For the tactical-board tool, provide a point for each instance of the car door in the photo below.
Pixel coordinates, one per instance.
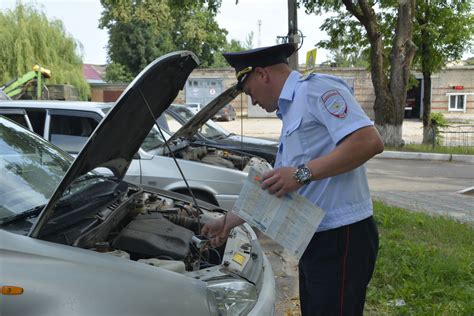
(18, 115)
(30, 117)
(70, 129)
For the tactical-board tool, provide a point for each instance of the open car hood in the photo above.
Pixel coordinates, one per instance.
(119, 135)
(192, 126)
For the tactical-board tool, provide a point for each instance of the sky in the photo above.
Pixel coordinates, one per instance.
(80, 18)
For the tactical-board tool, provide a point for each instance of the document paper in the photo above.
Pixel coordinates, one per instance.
(291, 221)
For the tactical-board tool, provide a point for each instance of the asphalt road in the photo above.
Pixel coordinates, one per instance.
(426, 186)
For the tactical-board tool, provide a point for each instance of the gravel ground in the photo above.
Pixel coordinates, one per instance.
(270, 127)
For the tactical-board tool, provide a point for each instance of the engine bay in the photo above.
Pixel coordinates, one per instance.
(219, 157)
(147, 227)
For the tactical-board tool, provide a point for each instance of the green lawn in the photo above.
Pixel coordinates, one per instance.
(437, 149)
(425, 263)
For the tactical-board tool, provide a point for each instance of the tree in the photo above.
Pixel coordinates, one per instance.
(232, 46)
(141, 31)
(29, 38)
(362, 21)
(348, 59)
(443, 31)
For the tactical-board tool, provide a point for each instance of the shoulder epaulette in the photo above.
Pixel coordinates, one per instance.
(306, 76)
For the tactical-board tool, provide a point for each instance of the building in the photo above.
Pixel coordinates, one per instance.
(101, 91)
(452, 90)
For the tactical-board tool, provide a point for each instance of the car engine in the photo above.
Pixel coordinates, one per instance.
(219, 157)
(154, 229)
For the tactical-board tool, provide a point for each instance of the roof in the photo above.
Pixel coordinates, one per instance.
(93, 73)
(57, 105)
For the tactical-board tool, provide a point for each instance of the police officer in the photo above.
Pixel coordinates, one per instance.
(326, 138)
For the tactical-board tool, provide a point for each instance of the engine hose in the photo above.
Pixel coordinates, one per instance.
(183, 221)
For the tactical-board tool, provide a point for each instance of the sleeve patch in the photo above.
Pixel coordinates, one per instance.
(334, 103)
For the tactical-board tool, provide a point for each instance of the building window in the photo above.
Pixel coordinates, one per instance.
(457, 102)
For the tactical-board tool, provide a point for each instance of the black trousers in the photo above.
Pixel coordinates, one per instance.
(336, 268)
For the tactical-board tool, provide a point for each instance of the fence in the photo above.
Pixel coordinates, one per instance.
(456, 136)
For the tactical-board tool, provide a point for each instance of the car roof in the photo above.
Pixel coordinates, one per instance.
(58, 105)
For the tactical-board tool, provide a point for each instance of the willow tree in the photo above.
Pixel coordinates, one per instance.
(28, 37)
(363, 21)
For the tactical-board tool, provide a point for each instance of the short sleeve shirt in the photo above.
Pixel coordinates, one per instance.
(318, 111)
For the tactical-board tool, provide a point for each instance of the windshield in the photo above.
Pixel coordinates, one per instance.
(31, 169)
(209, 129)
(154, 139)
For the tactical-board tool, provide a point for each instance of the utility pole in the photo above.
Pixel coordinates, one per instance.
(259, 33)
(293, 37)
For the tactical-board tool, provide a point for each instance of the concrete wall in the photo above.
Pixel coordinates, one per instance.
(443, 84)
(363, 88)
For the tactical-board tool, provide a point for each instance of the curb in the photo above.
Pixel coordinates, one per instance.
(425, 156)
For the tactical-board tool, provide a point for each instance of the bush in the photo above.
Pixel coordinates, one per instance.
(438, 121)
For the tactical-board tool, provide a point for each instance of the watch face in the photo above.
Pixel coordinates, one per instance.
(303, 175)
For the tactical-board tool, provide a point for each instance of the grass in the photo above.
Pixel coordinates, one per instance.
(425, 263)
(463, 150)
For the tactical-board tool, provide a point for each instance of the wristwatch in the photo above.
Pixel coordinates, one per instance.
(303, 174)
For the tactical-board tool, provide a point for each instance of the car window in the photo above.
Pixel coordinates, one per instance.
(19, 118)
(37, 118)
(31, 169)
(212, 130)
(152, 140)
(163, 123)
(184, 112)
(71, 132)
(173, 124)
(209, 129)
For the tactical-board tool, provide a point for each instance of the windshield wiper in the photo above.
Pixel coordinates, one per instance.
(28, 213)
(86, 177)
(220, 136)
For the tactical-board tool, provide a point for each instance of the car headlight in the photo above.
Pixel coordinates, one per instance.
(233, 297)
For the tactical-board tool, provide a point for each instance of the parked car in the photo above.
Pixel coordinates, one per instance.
(195, 107)
(77, 242)
(215, 175)
(212, 134)
(227, 113)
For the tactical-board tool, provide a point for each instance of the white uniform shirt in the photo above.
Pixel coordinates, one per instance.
(318, 111)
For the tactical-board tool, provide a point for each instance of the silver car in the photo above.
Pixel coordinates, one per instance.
(214, 174)
(77, 242)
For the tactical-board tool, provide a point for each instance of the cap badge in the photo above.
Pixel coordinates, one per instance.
(244, 71)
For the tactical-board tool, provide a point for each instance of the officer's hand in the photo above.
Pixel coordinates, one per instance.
(216, 231)
(280, 181)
